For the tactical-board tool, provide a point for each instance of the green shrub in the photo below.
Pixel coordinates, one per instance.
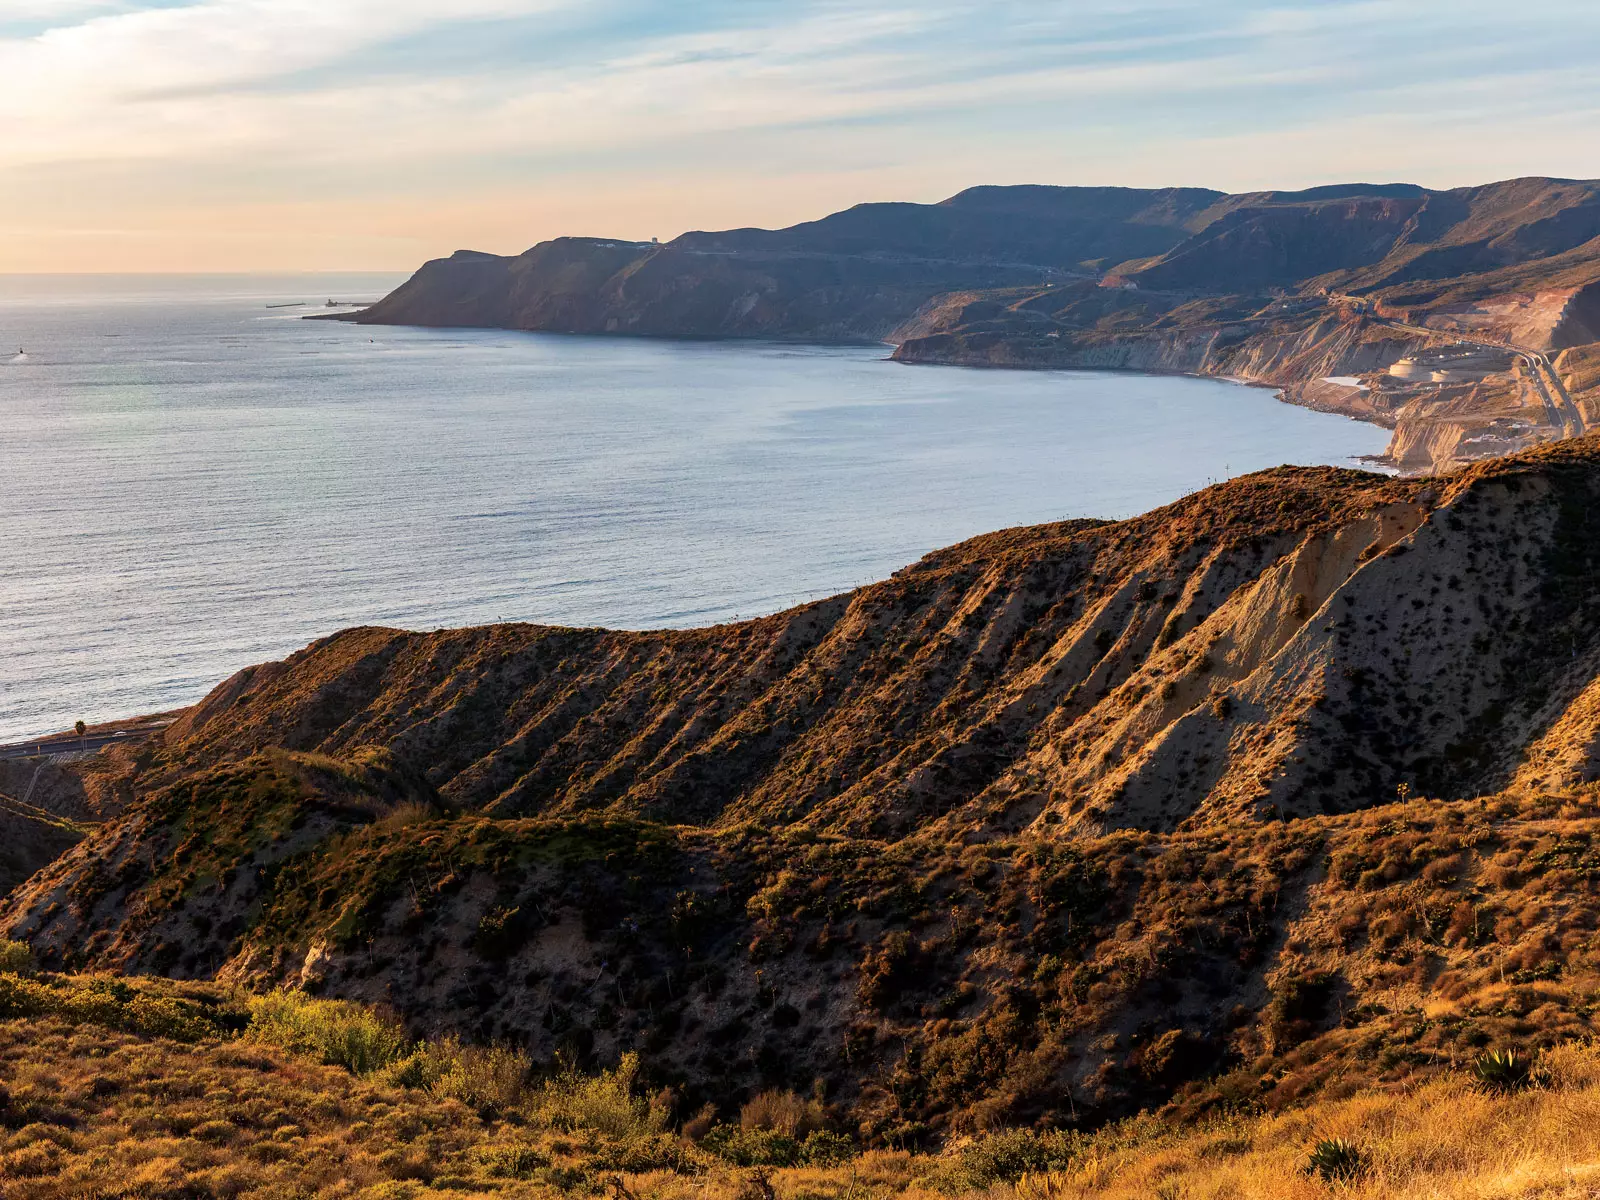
(490, 1079)
(603, 1103)
(111, 1004)
(753, 1147)
(335, 1032)
(653, 1152)
(779, 1129)
(15, 958)
(1503, 1071)
(1335, 1160)
(517, 1161)
(824, 1148)
(1007, 1155)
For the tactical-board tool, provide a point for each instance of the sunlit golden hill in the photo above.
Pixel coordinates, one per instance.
(1276, 793)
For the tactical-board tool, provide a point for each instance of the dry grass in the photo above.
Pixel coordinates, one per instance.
(1446, 1138)
(783, 1112)
(87, 1111)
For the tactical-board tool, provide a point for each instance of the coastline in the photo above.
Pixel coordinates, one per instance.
(1435, 426)
(1284, 389)
(1295, 360)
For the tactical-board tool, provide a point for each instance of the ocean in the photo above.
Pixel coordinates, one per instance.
(193, 481)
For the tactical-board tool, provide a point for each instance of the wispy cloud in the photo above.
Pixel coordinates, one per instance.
(116, 109)
(149, 53)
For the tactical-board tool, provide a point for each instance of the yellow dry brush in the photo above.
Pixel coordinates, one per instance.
(154, 1088)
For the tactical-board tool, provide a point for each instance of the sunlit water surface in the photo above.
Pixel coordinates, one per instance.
(192, 482)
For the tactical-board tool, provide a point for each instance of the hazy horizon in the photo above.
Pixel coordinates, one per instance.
(404, 271)
(284, 135)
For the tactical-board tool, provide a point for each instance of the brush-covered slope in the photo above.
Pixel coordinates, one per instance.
(1278, 642)
(1515, 262)
(1368, 239)
(1063, 820)
(98, 1105)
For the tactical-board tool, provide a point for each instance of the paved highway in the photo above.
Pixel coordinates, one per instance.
(71, 743)
(1562, 413)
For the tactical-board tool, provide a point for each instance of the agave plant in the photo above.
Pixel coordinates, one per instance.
(1335, 1160)
(1503, 1071)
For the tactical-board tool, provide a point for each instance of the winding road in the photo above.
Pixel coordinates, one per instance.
(1562, 413)
(71, 743)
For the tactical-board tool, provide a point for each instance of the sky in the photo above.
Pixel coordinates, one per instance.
(217, 135)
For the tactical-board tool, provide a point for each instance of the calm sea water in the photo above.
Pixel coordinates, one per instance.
(192, 482)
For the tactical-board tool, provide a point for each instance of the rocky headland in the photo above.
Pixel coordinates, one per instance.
(1461, 319)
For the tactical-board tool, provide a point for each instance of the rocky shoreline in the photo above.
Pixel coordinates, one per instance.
(1480, 403)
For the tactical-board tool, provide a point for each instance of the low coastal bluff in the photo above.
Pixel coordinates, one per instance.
(1057, 824)
(1318, 293)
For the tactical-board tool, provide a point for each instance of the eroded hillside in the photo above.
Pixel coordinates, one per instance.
(1240, 649)
(1287, 782)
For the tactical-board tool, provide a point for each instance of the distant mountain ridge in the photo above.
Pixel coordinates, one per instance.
(859, 273)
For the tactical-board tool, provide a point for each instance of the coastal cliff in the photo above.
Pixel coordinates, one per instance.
(587, 285)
